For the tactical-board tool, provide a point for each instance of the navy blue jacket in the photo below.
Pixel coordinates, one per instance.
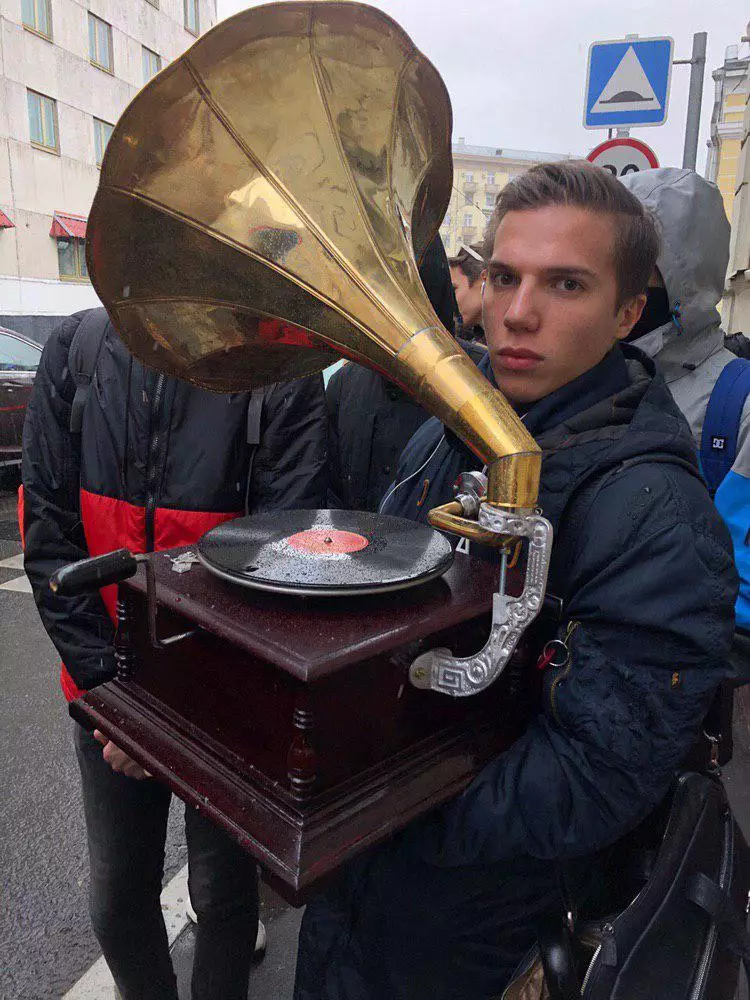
(648, 585)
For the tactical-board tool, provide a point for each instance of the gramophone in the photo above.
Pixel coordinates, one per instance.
(262, 207)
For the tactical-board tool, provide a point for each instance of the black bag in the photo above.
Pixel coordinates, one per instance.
(681, 936)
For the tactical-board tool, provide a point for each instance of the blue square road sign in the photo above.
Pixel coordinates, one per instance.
(627, 83)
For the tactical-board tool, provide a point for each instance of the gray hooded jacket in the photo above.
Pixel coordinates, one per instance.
(689, 350)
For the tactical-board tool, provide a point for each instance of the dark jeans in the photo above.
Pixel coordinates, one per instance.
(126, 821)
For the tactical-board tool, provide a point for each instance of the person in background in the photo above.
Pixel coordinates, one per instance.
(680, 328)
(467, 268)
(116, 455)
(370, 419)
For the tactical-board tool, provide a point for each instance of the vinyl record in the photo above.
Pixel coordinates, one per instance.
(331, 553)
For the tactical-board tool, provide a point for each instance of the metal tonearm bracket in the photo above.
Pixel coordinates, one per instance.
(438, 670)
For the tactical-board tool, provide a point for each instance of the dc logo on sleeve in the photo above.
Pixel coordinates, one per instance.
(718, 443)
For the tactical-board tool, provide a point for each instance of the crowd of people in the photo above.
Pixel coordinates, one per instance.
(592, 306)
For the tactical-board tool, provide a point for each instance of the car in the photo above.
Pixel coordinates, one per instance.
(19, 360)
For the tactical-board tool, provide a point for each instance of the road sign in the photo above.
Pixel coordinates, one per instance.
(623, 156)
(627, 83)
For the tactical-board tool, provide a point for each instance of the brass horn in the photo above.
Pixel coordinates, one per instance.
(262, 206)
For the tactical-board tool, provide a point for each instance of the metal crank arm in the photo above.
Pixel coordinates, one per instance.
(438, 670)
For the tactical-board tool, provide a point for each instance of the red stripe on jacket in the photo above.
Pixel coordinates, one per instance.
(110, 524)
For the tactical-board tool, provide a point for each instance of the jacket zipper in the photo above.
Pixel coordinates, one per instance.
(152, 468)
(713, 934)
(572, 626)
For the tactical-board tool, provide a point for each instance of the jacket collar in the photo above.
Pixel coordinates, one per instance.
(603, 381)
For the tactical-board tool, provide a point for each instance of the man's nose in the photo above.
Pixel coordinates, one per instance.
(522, 314)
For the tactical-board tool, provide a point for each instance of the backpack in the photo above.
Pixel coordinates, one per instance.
(83, 359)
(721, 425)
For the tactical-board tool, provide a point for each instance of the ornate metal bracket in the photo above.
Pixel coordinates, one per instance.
(438, 670)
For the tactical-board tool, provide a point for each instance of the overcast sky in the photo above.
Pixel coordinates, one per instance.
(516, 69)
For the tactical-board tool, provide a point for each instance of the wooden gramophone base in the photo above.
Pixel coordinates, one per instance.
(297, 844)
(291, 723)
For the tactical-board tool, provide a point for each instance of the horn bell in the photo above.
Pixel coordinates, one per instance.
(262, 207)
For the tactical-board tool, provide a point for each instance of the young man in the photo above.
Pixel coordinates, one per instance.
(643, 565)
(680, 328)
(467, 268)
(149, 463)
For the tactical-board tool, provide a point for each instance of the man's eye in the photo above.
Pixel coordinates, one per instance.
(568, 284)
(503, 279)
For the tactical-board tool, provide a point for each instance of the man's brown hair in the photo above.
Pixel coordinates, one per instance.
(580, 184)
(469, 260)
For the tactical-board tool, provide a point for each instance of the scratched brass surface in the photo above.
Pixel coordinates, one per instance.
(263, 203)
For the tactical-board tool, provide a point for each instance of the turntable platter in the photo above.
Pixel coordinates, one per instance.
(331, 553)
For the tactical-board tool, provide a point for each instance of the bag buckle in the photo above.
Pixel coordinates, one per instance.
(713, 753)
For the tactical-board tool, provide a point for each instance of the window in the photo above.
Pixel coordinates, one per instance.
(469, 177)
(18, 356)
(37, 16)
(446, 222)
(151, 63)
(100, 43)
(467, 220)
(42, 120)
(102, 133)
(490, 179)
(468, 198)
(191, 16)
(71, 256)
(489, 200)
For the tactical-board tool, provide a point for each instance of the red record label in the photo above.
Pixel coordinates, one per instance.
(327, 541)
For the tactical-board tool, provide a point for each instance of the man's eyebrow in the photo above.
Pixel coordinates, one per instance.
(564, 270)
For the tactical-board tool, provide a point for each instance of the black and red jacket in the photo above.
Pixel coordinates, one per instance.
(157, 463)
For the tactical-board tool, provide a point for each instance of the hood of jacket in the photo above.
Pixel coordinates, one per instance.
(693, 264)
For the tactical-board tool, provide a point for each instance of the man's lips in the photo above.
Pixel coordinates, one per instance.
(518, 359)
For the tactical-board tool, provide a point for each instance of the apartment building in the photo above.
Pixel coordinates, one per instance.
(479, 173)
(68, 68)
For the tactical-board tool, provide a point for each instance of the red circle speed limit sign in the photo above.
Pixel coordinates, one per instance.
(623, 156)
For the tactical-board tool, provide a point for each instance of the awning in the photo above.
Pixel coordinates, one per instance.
(68, 226)
(5, 222)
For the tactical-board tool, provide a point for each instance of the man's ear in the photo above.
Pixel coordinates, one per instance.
(628, 315)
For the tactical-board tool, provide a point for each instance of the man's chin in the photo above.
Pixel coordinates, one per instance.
(520, 387)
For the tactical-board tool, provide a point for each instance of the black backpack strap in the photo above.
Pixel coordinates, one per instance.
(254, 433)
(83, 357)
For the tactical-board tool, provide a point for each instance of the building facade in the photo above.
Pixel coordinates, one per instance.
(736, 312)
(479, 173)
(732, 84)
(68, 69)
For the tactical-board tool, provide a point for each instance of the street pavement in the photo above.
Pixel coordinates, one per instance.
(46, 944)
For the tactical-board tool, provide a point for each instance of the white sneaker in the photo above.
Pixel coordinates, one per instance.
(261, 941)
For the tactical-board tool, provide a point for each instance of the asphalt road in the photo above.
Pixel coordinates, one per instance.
(45, 940)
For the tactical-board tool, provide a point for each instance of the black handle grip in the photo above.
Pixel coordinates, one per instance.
(91, 574)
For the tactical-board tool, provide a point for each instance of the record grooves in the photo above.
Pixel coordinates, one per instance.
(331, 553)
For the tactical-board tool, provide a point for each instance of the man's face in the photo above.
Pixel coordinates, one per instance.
(468, 297)
(550, 299)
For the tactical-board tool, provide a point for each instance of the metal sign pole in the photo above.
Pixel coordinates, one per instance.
(692, 124)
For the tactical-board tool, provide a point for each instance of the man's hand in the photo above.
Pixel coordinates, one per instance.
(118, 760)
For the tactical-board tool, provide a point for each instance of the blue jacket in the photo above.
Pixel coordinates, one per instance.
(648, 587)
